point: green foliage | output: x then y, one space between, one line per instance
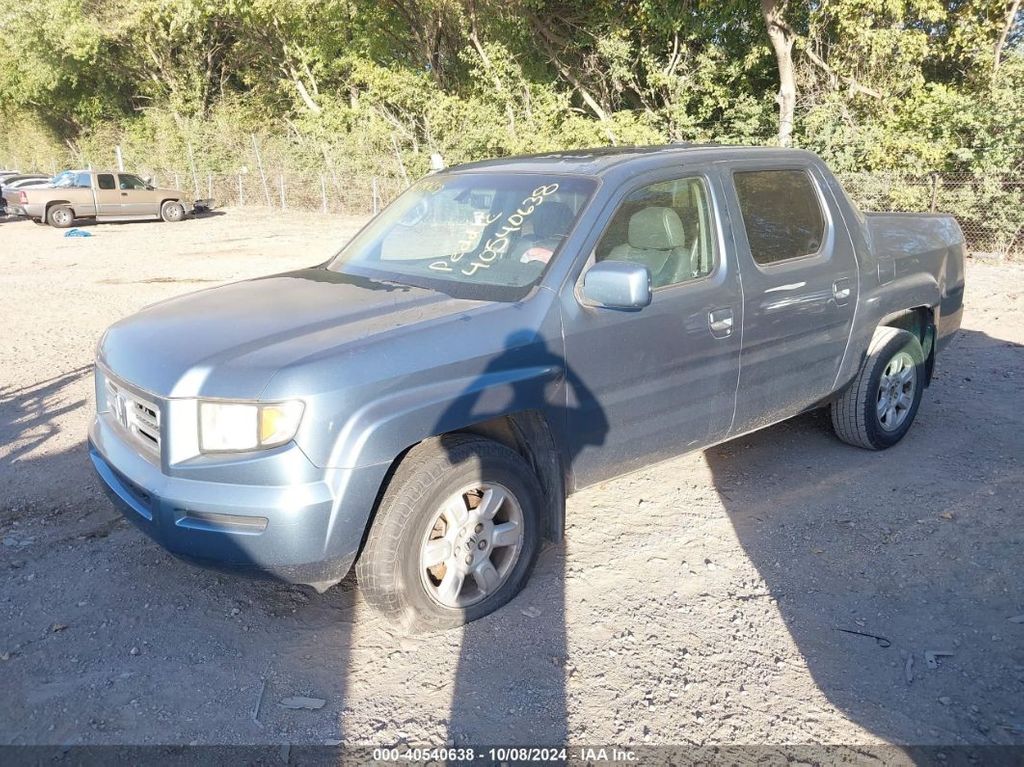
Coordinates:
372 87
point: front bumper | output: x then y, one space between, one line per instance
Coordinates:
307 532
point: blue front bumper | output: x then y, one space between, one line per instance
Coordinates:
307 532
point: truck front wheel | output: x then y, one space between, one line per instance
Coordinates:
455 536
60 216
878 408
172 211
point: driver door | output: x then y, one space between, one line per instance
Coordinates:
136 198
661 380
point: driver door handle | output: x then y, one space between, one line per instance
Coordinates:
841 290
720 322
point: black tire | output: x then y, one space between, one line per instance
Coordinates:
172 211
60 216
855 414
388 570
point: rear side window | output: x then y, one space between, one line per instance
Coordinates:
106 181
781 214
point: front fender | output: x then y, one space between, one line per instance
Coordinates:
381 430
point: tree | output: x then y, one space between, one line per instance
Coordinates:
782 38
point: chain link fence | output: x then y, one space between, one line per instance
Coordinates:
990 209
321 192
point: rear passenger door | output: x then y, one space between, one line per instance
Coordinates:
799 274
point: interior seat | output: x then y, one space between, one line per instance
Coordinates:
656 239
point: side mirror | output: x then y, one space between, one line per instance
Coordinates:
149 182
617 285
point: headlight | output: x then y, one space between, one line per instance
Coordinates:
234 426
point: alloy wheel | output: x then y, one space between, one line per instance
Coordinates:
472 545
896 391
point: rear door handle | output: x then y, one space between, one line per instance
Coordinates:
841 290
720 322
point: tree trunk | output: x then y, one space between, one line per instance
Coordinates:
781 36
1011 18
300 86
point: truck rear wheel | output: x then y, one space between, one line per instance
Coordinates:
60 216
878 408
456 534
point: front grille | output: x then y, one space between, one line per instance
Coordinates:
140 418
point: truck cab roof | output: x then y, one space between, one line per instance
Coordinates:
606 160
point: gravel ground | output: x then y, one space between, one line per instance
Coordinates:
700 601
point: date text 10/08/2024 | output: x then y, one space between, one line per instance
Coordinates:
501 754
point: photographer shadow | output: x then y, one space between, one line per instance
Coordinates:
510 682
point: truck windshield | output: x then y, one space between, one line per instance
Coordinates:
474 235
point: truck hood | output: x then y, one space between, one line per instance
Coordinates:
229 341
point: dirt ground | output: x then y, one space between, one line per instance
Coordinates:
704 600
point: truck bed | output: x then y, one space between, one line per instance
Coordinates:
920 255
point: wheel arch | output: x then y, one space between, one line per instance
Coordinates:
919 320
53 203
529 434
506 405
178 200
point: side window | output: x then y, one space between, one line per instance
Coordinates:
105 181
667 228
130 181
83 181
781 214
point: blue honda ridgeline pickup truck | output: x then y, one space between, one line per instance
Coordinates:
503 334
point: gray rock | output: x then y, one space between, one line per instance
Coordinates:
302 702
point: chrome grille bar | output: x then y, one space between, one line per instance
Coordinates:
139 417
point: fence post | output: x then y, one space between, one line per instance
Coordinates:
281 178
323 193
209 185
239 190
259 164
177 181
935 190
374 192
192 166
120 158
